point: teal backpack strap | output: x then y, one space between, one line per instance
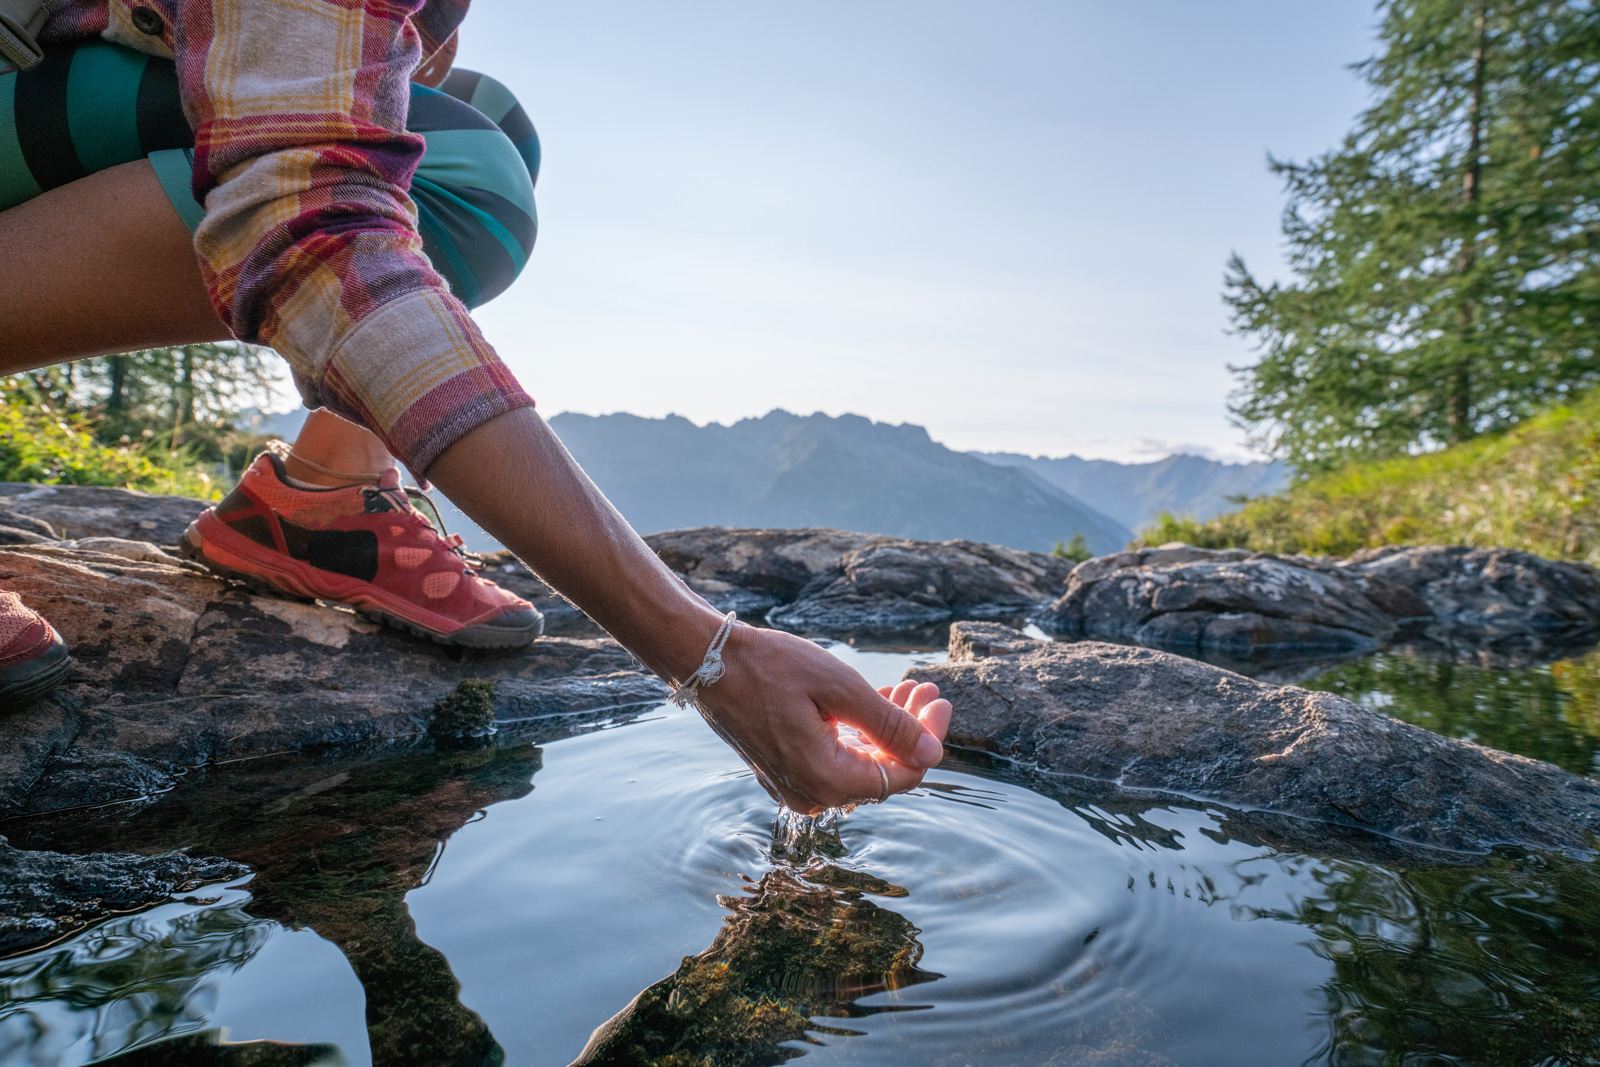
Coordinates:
20 23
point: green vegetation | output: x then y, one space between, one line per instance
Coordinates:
1443 255
1536 487
38 443
1076 550
184 397
161 419
1546 713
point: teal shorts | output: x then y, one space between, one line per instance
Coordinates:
94 105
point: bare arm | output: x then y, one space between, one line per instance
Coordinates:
780 694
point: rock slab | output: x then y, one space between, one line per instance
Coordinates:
833 581
1231 603
46 895
176 668
1148 720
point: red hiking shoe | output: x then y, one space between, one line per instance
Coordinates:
33 658
362 545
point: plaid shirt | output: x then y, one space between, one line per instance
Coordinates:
309 242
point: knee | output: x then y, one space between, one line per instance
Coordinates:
494 101
474 197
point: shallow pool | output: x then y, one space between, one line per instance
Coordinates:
503 904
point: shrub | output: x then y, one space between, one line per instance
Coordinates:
1536 487
40 444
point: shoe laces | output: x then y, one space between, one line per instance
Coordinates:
413 500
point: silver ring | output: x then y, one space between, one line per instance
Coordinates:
885 776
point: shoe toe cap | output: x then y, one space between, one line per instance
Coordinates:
521 620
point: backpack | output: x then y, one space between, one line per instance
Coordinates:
20 21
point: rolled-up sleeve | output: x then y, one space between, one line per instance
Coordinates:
309 242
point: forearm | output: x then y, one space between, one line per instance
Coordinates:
516 480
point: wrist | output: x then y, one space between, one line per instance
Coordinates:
683 636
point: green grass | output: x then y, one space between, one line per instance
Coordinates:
39 444
1536 487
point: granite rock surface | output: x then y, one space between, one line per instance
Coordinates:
175 668
1440 602
832 581
1149 720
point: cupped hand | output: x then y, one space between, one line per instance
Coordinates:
814 730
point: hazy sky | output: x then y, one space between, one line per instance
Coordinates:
1005 220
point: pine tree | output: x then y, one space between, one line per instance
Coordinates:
1444 255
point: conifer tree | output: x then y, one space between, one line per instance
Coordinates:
177 395
1444 255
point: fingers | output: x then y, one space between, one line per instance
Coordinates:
896 730
932 714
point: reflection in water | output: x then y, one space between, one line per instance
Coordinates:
335 851
1497 964
1076 925
1544 712
128 981
208 1049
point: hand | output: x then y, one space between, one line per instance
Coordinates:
788 706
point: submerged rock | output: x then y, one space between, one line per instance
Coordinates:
45 896
800 944
1147 720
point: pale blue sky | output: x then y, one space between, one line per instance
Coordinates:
1006 221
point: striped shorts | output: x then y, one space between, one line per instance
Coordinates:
93 105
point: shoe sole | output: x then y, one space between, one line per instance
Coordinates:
25 684
215 555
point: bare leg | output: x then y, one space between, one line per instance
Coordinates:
99 266
110 267
104 265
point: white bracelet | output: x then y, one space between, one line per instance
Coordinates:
711 668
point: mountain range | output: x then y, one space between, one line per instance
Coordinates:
1135 493
786 470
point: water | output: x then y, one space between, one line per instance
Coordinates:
501 904
1549 712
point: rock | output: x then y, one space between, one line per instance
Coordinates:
833 581
1496 590
1147 720
73 511
45 895
977 640
1195 601
1488 605
893 584
176 669
763 567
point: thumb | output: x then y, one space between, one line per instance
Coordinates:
897 732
